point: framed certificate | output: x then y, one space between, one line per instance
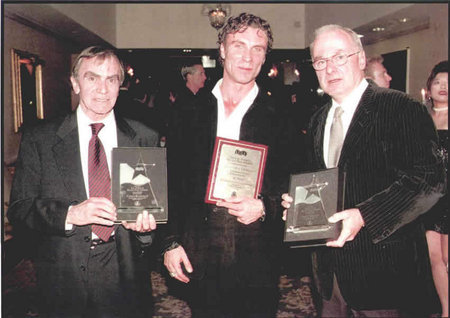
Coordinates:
139 182
317 195
237 169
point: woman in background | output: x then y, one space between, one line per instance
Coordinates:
436 223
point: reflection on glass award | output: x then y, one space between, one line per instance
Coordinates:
136 187
309 211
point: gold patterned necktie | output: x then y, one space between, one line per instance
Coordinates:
336 138
99 179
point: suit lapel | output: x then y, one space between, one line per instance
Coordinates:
319 133
360 126
212 121
125 134
67 156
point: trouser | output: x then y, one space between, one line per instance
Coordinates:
337 307
104 293
206 300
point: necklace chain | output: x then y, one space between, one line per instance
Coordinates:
440 109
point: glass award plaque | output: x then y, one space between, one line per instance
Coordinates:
237 169
317 196
139 182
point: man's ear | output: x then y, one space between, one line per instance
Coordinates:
222 51
75 86
362 60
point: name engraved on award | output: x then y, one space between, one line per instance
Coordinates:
140 182
237 169
317 195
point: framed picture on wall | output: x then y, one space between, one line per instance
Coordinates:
26 73
396 63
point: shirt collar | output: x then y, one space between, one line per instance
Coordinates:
250 96
84 120
350 103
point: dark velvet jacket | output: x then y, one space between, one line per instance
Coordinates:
48 179
393 175
196 225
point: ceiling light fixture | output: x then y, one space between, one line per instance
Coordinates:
378 29
217 14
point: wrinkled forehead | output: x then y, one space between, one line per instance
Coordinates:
97 61
331 42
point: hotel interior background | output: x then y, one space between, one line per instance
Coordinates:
57 31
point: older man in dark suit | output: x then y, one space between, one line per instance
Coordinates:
385 142
86 267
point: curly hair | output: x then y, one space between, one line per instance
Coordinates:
240 24
441 67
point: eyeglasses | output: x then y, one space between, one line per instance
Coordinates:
338 60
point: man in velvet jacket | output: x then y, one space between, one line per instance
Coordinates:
224 252
377 267
78 274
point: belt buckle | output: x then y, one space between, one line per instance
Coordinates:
99 241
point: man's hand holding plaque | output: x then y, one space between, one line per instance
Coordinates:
139 183
312 201
246 210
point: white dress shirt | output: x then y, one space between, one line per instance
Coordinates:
230 127
108 137
348 105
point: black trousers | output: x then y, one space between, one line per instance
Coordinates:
207 298
104 293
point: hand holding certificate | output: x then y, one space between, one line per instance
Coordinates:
237 170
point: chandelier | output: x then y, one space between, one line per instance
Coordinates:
217 14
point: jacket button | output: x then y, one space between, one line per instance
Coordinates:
87 238
215 209
206 219
82 268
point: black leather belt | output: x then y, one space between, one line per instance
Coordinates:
98 241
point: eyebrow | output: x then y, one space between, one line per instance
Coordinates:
237 41
90 73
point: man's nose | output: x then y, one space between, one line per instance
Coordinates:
102 87
330 66
246 55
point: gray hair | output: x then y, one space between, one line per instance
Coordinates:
100 53
370 62
188 69
336 27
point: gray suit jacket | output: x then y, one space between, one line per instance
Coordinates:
47 181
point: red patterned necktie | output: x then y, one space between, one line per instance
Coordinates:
99 180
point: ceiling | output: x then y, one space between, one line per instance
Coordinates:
50 20
411 19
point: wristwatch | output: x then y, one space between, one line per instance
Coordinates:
263 216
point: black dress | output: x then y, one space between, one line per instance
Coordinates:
437 218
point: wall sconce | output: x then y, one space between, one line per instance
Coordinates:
217 14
